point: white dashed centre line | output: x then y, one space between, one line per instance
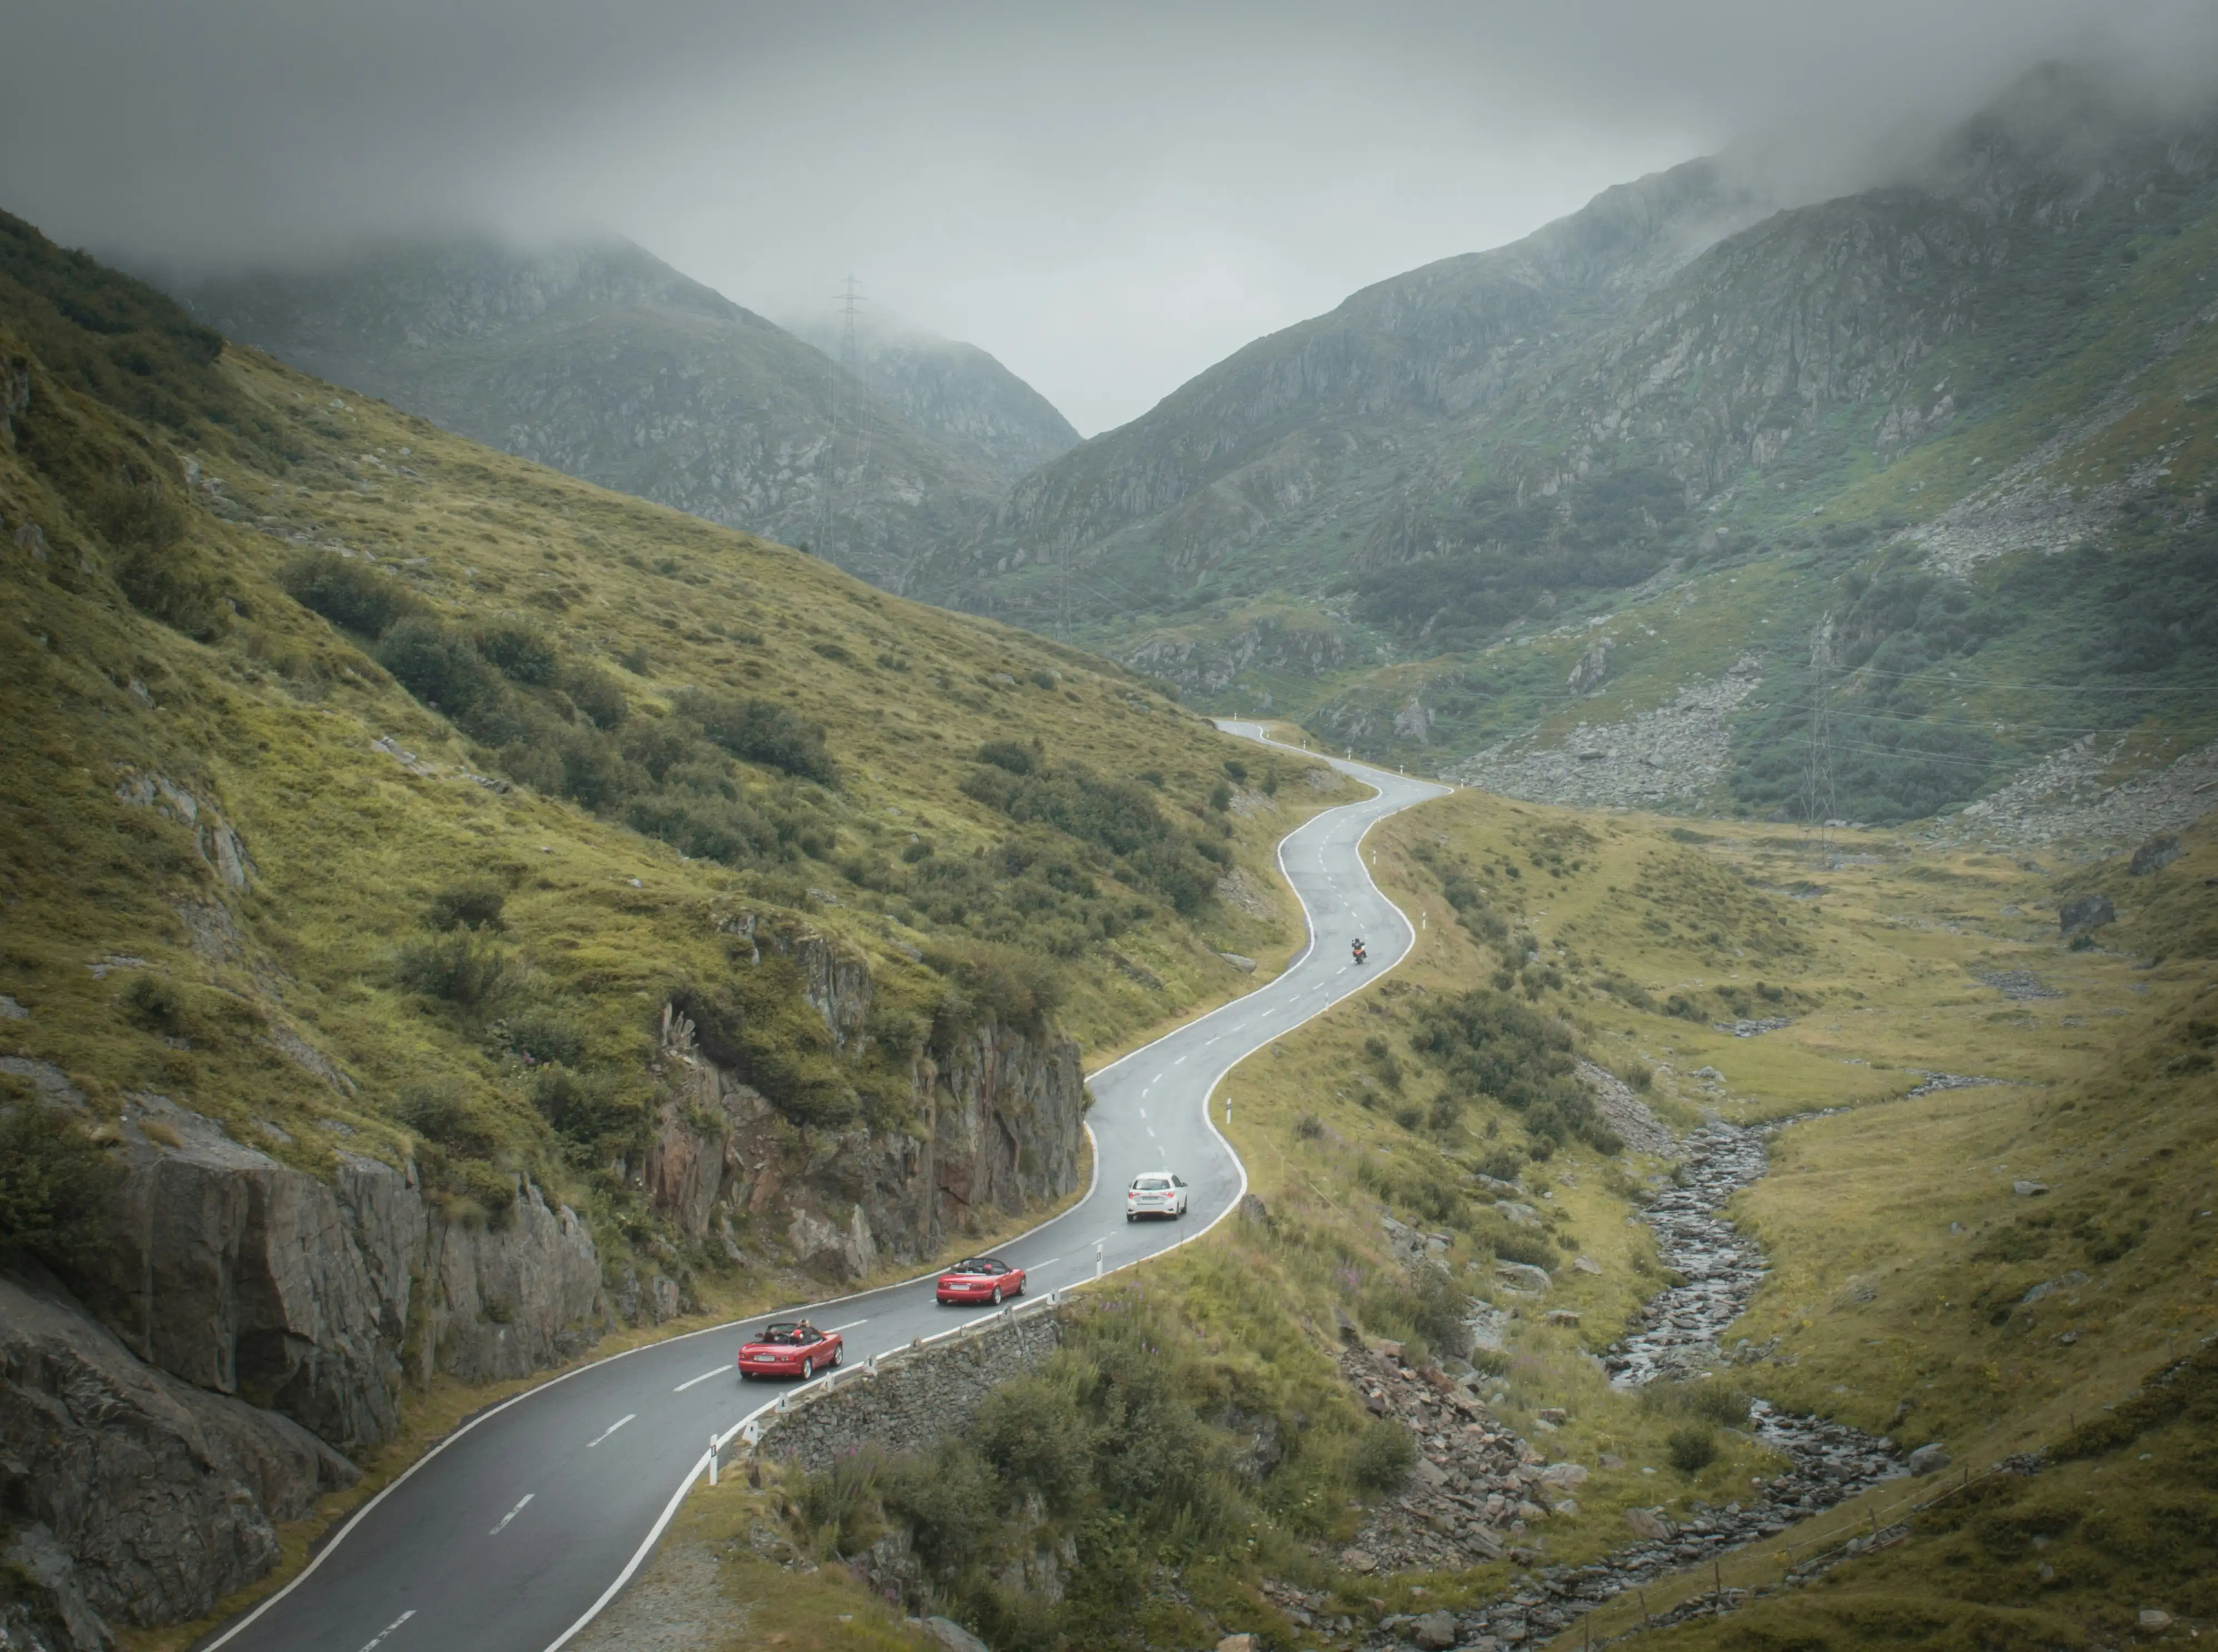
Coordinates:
691 1381
611 1429
511 1515
379 1639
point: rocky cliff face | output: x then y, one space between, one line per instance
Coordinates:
196 1379
161 1494
997 1128
599 360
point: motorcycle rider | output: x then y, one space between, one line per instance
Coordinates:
1357 948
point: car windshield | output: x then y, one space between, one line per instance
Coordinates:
1151 1183
977 1264
790 1335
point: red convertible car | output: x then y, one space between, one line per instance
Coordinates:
790 1348
981 1279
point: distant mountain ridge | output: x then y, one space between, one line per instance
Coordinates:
1598 517
956 392
597 358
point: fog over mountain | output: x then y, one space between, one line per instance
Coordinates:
1108 201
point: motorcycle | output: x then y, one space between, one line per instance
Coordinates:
1359 954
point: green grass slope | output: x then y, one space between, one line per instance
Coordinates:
368 789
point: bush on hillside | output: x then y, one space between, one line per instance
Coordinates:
349 592
475 905
1115 816
55 1183
1693 1449
521 654
440 667
1492 1045
1383 1458
462 967
159 573
762 731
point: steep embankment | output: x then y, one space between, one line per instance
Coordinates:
599 360
455 915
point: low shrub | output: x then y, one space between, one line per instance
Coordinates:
475 905
460 967
1691 1450
1383 1458
55 1183
349 592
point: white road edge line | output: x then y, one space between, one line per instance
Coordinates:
692 1381
511 1515
611 1429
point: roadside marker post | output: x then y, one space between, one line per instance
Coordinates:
1097 1244
712 1459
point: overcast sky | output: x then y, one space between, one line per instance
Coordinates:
1107 196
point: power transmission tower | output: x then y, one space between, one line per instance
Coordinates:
1817 751
836 492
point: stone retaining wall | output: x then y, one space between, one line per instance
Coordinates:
913 1397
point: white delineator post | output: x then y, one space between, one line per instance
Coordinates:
712 1459
1097 1244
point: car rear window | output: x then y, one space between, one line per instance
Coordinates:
1152 1183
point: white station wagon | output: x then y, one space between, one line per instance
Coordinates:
1155 1193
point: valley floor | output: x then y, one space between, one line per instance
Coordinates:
2015 1273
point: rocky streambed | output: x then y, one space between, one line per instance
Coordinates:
1679 1338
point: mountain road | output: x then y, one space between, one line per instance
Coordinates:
513 1532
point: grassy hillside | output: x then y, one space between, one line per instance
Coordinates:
368 789
1900 1258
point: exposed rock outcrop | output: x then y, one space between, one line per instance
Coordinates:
998 1117
162 1494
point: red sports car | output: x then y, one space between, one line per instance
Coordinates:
790 1348
981 1279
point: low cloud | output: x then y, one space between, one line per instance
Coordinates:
1107 198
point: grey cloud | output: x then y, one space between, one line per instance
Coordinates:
1109 198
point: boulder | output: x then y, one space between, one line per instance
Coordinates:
2026 1189
951 1636
508 1301
2153 1621
1647 1523
2088 912
1930 1458
1565 1474
1436 1631
1522 1276
2154 855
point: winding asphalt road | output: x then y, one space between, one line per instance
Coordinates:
515 1532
